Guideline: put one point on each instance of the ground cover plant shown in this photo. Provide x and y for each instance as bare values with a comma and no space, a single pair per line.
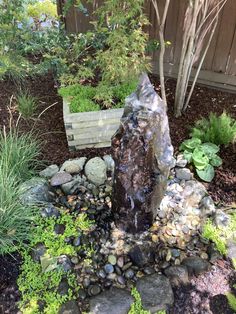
41,272
84,98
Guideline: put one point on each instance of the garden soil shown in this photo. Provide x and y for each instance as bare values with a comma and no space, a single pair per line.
47,124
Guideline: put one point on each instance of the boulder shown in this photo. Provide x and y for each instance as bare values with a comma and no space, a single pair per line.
60,178
96,171
113,301
49,172
143,155
156,292
35,191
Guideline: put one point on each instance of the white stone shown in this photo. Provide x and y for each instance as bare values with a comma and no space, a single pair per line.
109,162
73,165
181,161
95,170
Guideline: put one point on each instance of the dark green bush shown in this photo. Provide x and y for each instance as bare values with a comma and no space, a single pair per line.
220,130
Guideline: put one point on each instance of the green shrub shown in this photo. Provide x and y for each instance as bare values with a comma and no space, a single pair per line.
220,130
17,155
203,156
220,235
27,104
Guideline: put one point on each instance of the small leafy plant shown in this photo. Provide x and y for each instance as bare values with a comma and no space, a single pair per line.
220,130
27,104
203,156
220,235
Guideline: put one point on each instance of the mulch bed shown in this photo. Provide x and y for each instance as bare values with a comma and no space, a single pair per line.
50,129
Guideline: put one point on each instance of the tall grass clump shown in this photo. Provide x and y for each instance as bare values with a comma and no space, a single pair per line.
17,156
27,104
220,130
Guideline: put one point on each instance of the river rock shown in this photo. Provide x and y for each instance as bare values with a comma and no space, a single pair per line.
141,255
143,155
35,191
221,219
156,292
196,265
181,162
60,178
183,174
193,193
113,301
73,166
177,274
73,185
49,172
207,206
95,170
70,307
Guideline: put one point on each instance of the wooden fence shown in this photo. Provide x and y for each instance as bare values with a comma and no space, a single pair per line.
219,68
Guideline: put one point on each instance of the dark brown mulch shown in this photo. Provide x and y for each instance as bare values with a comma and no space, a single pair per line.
205,294
9,294
50,129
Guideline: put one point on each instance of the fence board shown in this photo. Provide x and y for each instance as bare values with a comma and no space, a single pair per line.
221,56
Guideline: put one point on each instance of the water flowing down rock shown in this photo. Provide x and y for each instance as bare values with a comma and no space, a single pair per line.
143,156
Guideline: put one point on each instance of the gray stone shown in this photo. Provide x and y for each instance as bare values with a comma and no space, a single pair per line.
141,255
109,162
64,262
177,274
60,178
35,191
50,211
113,301
181,161
49,172
38,251
221,219
70,307
156,292
73,166
231,249
183,174
207,206
143,155
95,170
72,186
196,265
63,287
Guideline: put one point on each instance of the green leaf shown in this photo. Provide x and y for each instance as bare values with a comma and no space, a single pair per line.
48,263
200,160
210,148
188,155
190,144
207,174
215,161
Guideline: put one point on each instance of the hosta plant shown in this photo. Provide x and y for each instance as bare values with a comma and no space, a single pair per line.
203,156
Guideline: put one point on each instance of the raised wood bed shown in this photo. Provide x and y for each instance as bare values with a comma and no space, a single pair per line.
90,129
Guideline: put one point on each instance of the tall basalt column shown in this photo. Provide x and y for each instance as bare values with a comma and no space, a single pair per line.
143,155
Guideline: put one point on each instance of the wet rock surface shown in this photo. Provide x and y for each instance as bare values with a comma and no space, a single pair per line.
143,155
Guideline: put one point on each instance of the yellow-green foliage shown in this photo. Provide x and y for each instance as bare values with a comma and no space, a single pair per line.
232,300
220,235
39,284
217,129
136,307
40,8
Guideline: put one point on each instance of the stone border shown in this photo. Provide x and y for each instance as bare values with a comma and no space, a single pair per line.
90,129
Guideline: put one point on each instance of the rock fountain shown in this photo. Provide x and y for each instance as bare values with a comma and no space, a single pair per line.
143,156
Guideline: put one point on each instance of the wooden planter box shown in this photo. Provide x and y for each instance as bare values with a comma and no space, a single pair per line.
90,129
